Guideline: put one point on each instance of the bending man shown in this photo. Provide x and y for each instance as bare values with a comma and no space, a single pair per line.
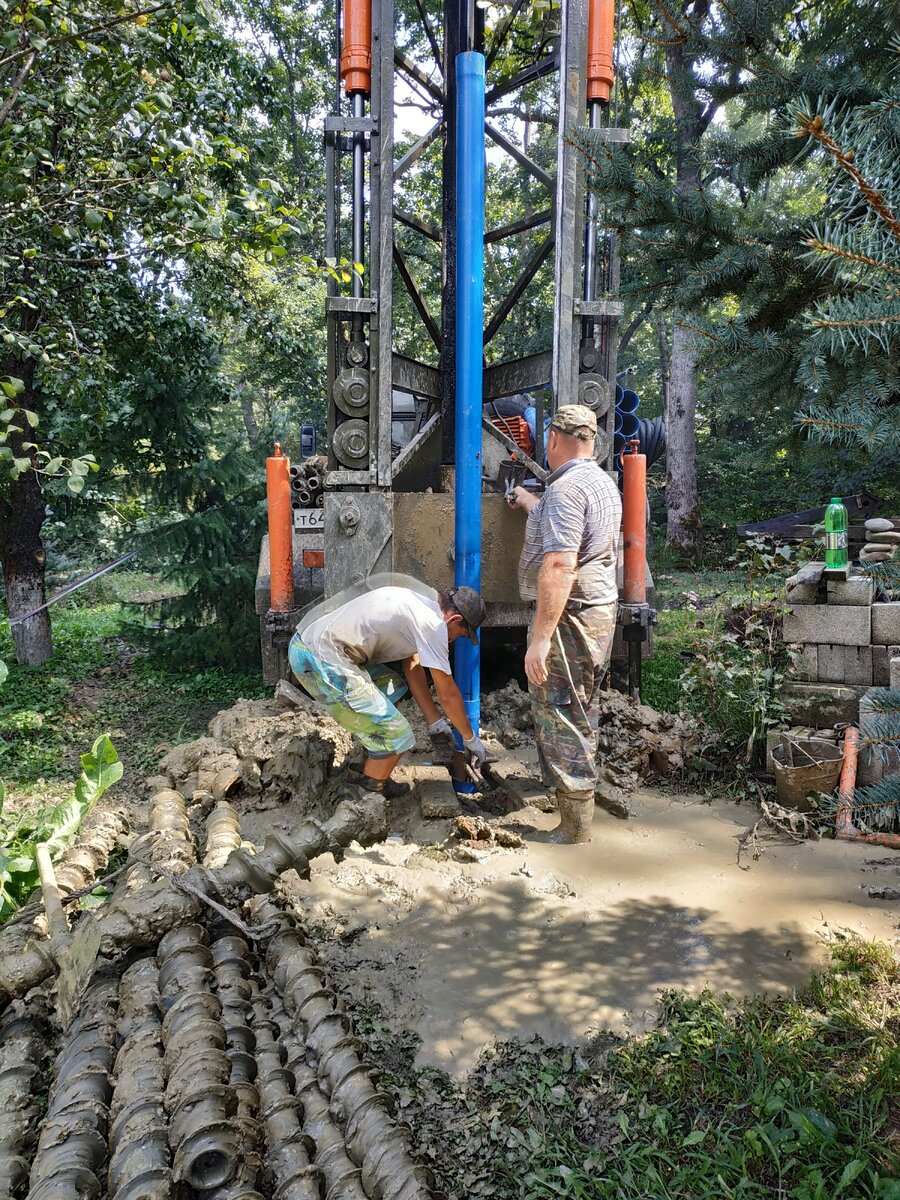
568,567
339,658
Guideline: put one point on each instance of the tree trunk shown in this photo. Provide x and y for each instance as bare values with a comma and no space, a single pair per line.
249,418
22,554
683,529
662,341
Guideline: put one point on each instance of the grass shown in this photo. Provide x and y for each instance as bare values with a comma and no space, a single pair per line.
96,683
795,1096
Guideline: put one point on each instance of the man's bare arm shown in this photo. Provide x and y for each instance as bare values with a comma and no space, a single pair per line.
419,689
452,703
554,586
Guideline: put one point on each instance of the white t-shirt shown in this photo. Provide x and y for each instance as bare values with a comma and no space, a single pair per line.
386,625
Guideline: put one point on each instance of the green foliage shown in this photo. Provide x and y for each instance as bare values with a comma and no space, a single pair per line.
95,682
54,827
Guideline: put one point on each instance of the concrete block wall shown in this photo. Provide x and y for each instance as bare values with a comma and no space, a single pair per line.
846,643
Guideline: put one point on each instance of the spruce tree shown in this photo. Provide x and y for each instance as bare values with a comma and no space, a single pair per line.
850,369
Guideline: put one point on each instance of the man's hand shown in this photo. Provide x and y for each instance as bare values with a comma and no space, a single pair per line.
520,497
477,749
441,728
536,661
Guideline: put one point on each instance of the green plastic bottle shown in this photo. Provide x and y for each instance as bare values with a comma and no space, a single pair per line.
836,555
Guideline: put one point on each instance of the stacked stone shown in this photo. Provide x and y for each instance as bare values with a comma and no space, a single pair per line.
882,540
846,646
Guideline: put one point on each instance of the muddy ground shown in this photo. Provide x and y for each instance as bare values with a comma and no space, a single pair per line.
558,941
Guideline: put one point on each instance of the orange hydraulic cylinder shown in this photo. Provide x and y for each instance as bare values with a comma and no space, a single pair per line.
356,50
281,547
601,37
634,528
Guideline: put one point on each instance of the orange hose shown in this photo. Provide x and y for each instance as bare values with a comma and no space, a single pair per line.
843,823
601,38
281,539
634,528
356,51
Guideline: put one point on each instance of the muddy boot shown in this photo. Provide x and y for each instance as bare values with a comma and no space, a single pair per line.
576,812
389,788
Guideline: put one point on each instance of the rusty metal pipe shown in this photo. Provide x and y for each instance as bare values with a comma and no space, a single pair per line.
281,551
843,822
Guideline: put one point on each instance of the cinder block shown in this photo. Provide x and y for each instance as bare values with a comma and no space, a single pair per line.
802,593
894,670
831,664
856,590
881,664
885,625
858,665
805,665
832,624
822,704
845,664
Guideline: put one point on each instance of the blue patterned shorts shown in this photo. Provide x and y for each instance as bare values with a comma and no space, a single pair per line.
361,699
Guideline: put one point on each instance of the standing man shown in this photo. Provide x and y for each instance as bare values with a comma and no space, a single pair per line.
339,658
568,567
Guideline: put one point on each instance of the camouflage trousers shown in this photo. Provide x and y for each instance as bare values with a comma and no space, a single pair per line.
566,707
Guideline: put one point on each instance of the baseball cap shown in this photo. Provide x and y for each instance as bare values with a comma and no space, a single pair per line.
470,607
569,418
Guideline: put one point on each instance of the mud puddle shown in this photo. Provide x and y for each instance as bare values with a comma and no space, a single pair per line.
565,942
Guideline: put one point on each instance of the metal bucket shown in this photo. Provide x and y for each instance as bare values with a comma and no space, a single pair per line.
814,766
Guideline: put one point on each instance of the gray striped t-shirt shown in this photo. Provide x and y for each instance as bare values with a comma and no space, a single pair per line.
579,512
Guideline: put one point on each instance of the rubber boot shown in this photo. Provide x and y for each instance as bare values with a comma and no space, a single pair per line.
391,789
576,812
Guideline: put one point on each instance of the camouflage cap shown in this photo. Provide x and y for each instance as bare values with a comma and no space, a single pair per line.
571,419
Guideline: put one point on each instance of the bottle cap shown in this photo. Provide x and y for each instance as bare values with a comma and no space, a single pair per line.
835,500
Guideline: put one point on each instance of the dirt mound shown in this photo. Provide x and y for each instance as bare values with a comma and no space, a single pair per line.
256,748
636,743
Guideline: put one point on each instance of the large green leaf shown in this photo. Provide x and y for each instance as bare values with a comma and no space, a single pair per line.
55,827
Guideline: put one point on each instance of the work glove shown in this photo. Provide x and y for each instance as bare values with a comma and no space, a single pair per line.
477,749
441,735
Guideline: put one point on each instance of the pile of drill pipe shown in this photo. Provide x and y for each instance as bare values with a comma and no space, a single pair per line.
375,1141
139,918
23,1052
71,1148
138,1133
308,483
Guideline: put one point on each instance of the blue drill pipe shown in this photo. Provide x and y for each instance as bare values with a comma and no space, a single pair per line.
469,354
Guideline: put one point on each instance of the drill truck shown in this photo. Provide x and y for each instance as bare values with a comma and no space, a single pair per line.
422,438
